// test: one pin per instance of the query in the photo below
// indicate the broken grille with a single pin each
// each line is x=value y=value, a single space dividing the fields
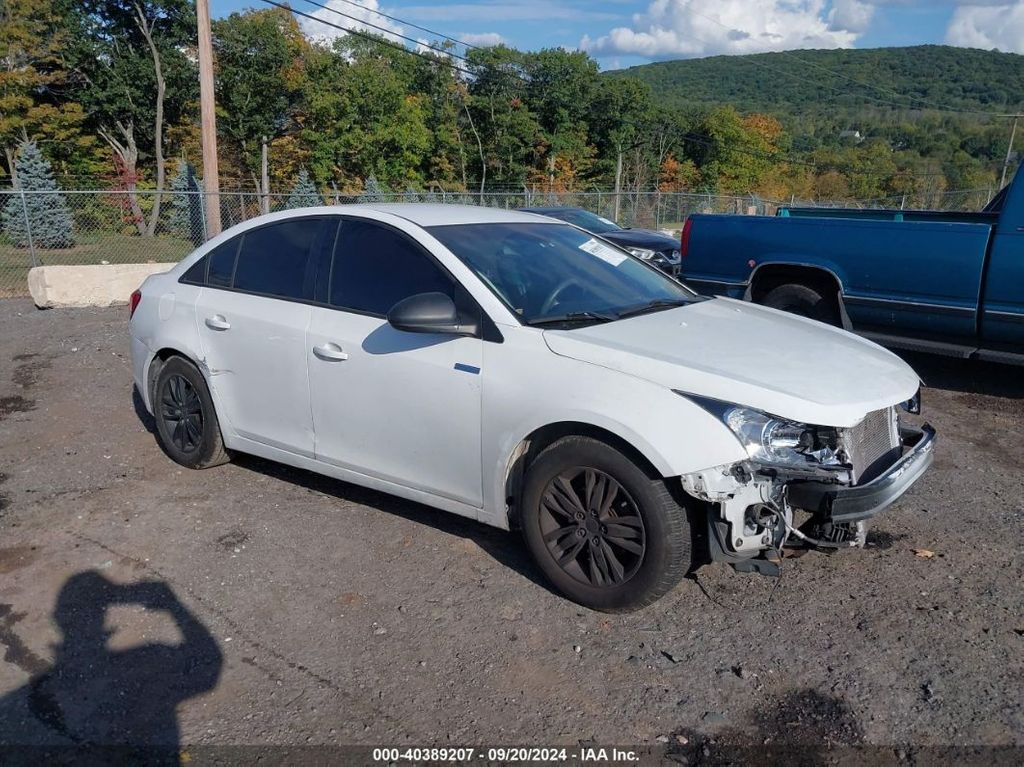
x=873 y=444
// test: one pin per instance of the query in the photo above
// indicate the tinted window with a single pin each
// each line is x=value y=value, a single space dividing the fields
x=222 y=264
x=376 y=267
x=276 y=260
x=196 y=274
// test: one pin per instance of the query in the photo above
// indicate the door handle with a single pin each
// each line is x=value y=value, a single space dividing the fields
x=330 y=353
x=217 y=322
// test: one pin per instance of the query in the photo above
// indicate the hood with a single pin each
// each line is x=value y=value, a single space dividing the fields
x=642 y=238
x=750 y=355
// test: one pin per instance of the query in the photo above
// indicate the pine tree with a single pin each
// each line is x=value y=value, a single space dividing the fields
x=371 y=190
x=411 y=195
x=186 y=203
x=304 y=193
x=49 y=218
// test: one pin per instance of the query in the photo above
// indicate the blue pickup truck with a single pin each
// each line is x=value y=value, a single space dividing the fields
x=950 y=283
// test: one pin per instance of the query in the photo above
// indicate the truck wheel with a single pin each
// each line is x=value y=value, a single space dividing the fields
x=804 y=301
x=606 y=534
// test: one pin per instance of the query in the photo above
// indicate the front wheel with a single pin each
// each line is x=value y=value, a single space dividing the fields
x=603 y=532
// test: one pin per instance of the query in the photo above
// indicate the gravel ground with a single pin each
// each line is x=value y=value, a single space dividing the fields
x=255 y=604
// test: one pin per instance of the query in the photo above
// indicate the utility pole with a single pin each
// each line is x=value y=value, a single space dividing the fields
x=208 y=120
x=1009 y=149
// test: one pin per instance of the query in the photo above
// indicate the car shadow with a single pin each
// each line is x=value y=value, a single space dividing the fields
x=967 y=376
x=102 y=704
x=144 y=416
x=506 y=548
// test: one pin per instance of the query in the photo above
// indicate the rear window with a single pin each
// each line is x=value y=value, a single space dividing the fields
x=275 y=260
x=222 y=264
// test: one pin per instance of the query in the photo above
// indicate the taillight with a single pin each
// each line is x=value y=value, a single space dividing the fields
x=133 y=303
x=684 y=238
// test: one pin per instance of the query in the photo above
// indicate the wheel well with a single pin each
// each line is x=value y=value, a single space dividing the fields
x=767 y=278
x=527 y=450
x=159 y=360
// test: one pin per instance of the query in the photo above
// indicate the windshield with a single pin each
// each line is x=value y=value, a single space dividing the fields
x=584 y=219
x=556 y=274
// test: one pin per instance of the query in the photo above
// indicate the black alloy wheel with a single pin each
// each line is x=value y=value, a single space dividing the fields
x=182 y=411
x=605 y=530
x=592 y=527
x=186 y=421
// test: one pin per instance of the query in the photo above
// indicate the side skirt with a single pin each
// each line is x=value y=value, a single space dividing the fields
x=345 y=475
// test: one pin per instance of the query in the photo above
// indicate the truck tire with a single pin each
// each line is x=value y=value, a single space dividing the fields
x=606 y=535
x=803 y=301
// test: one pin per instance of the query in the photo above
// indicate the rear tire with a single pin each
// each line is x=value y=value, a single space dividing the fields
x=605 y=534
x=186 y=423
x=803 y=301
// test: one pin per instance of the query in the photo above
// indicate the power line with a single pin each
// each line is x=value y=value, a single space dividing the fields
x=374 y=38
x=382 y=29
x=409 y=24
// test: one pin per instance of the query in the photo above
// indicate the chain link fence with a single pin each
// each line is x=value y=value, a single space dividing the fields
x=89 y=226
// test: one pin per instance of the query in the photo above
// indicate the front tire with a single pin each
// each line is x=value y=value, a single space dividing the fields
x=186 y=423
x=604 y=533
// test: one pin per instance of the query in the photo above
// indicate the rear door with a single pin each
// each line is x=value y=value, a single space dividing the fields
x=401 y=407
x=252 y=318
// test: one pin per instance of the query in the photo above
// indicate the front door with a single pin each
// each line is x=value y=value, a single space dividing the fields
x=401 y=407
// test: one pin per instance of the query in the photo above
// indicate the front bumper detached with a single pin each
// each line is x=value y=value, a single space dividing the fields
x=845 y=504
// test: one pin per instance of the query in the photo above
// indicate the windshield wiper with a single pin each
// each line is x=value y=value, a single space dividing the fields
x=572 y=317
x=654 y=306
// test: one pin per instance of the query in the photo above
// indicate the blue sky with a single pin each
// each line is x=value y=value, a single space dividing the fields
x=626 y=32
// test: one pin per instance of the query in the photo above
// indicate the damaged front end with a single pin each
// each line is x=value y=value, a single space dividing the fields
x=839 y=478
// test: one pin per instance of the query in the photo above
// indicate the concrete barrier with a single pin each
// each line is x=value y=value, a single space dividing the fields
x=103 y=285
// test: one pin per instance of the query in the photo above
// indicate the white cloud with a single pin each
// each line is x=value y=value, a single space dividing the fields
x=354 y=18
x=988 y=26
x=685 y=28
x=851 y=15
x=483 y=39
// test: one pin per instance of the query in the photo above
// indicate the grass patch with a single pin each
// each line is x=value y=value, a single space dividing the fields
x=88 y=249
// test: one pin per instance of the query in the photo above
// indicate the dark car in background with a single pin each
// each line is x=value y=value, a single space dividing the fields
x=660 y=249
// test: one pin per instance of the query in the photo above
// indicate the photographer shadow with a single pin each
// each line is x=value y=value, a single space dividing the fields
x=94 y=697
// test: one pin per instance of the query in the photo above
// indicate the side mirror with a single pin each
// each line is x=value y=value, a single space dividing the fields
x=430 y=313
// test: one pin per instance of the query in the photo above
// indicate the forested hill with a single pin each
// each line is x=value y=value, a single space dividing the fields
x=848 y=81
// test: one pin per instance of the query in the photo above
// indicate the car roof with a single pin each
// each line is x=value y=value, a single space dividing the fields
x=443 y=214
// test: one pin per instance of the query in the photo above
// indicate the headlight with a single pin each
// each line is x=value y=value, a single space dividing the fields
x=776 y=441
x=643 y=253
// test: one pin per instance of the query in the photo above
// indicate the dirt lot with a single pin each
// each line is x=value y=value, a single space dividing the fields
x=277 y=607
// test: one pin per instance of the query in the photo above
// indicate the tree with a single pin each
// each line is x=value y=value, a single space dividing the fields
x=561 y=91
x=32 y=77
x=364 y=116
x=136 y=77
x=371 y=190
x=504 y=131
x=304 y=194
x=186 y=219
x=42 y=212
x=260 y=72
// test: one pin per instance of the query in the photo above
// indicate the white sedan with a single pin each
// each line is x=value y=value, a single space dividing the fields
x=520 y=371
